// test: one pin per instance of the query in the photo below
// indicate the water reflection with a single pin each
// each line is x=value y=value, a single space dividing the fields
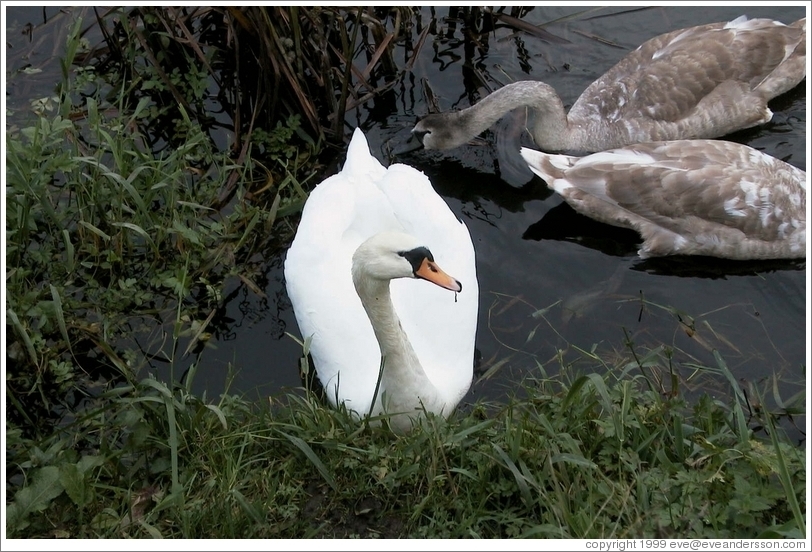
x=562 y=222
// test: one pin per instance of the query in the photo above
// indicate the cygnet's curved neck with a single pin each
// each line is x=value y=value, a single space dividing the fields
x=550 y=130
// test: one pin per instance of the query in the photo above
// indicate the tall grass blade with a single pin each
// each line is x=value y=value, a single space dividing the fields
x=377 y=388
x=249 y=509
x=247 y=233
x=679 y=438
x=311 y=455
x=494 y=369
x=738 y=412
x=70 y=254
x=151 y=530
x=573 y=459
x=783 y=472
x=219 y=414
x=29 y=345
x=457 y=437
x=138 y=230
x=177 y=489
x=60 y=316
x=101 y=234
x=521 y=480
x=600 y=386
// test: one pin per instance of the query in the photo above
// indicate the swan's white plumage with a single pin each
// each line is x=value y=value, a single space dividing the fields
x=688 y=197
x=343 y=211
x=702 y=82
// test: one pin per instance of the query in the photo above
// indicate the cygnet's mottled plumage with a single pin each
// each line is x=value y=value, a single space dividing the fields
x=701 y=82
x=687 y=197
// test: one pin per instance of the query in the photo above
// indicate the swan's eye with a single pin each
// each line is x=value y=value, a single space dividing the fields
x=417 y=256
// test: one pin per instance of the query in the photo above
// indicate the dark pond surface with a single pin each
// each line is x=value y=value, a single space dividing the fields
x=552 y=282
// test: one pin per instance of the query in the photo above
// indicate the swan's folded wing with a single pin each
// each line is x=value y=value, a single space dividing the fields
x=444 y=341
x=340 y=213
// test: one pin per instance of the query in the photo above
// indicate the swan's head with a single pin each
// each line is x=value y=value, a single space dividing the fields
x=390 y=255
x=439 y=131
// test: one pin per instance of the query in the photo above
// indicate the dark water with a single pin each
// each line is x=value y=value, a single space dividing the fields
x=552 y=282
x=534 y=253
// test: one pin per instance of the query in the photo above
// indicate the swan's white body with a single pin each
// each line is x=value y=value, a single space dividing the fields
x=700 y=82
x=344 y=211
x=687 y=197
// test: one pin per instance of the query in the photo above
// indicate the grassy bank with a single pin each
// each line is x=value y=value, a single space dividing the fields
x=580 y=457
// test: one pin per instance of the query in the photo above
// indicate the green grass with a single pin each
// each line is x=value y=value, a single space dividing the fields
x=103 y=231
x=107 y=236
x=582 y=456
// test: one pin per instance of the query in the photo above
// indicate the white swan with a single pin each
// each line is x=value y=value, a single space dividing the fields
x=360 y=229
x=687 y=197
x=700 y=82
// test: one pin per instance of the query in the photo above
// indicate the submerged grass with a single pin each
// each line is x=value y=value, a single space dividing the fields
x=104 y=227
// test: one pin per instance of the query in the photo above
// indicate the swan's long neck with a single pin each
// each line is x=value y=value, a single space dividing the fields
x=377 y=301
x=403 y=374
x=550 y=130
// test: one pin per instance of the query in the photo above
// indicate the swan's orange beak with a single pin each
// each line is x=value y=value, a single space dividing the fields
x=430 y=271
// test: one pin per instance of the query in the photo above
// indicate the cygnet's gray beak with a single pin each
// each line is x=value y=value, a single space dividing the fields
x=412 y=144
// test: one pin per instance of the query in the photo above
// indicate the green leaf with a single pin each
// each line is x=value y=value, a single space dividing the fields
x=74 y=478
x=88 y=463
x=74 y=483
x=151 y=529
x=35 y=497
